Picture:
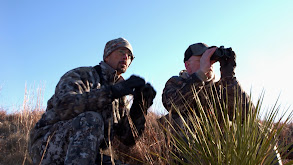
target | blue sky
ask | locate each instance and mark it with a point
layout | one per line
(41, 40)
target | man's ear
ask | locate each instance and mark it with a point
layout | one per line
(186, 64)
(106, 59)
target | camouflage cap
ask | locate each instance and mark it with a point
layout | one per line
(115, 44)
(195, 50)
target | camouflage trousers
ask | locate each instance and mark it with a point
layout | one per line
(75, 141)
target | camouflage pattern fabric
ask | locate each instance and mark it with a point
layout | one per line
(80, 119)
(179, 91)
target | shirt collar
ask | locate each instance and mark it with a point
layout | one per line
(110, 74)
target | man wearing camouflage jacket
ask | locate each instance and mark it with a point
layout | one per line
(199, 77)
(89, 108)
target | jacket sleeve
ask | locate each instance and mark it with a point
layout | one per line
(128, 131)
(179, 91)
(233, 94)
(77, 91)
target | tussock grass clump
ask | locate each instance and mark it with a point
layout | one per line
(212, 137)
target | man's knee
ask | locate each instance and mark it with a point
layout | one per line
(90, 120)
(88, 133)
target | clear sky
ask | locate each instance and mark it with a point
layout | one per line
(41, 40)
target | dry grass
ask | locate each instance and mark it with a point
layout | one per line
(14, 133)
(151, 148)
(15, 127)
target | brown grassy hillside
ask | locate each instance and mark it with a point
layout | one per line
(14, 131)
(151, 148)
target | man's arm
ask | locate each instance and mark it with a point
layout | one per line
(79, 91)
(143, 99)
(76, 92)
(179, 91)
(232, 93)
(231, 88)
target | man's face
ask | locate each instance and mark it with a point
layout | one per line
(192, 64)
(119, 60)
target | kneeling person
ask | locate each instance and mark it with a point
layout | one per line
(89, 108)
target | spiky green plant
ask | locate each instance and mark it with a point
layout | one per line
(211, 137)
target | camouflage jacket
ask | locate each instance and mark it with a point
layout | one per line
(82, 89)
(180, 92)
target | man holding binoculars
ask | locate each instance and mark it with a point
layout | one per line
(199, 60)
(180, 92)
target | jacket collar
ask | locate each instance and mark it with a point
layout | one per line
(109, 74)
(183, 74)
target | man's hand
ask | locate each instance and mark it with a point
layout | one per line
(228, 66)
(127, 87)
(145, 95)
(143, 99)
(205, 60)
